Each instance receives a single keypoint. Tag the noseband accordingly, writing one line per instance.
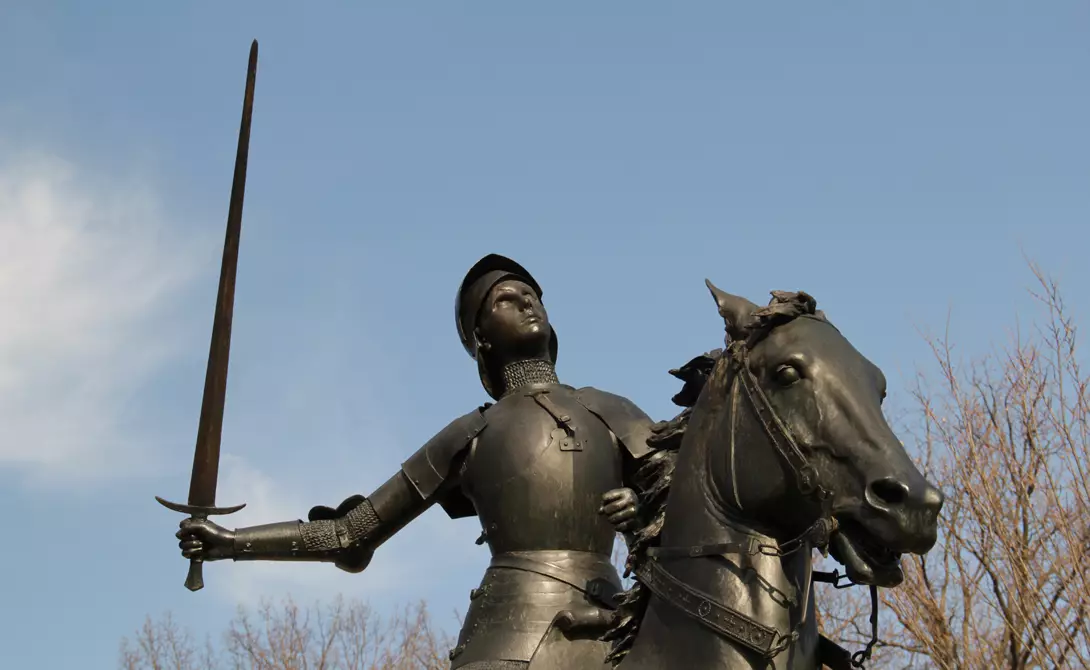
(723, 619)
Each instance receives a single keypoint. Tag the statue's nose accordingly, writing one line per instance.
(912, 504)
(889, 493)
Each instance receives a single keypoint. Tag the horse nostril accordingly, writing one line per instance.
(888, 491)
(933, 500)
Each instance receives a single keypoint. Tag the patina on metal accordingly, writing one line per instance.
(206, 455)
(782, 448)
(544, 468)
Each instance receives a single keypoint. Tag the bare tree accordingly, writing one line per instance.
(1007, 436)
(164, 645)
(341, 636)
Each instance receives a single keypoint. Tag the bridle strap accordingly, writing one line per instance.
(775, 429)
(817, 535)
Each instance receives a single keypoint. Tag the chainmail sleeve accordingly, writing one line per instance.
(342, 532)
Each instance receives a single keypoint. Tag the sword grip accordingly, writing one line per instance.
(194, 581)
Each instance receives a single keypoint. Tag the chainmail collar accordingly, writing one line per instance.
(531, 372)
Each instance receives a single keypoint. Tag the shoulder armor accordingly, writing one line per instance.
(431, 466)
(627, 421)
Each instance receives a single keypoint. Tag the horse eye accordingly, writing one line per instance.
(787, 375)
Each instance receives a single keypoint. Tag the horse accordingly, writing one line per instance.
(782, 448)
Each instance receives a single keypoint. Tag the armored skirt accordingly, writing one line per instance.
(520, 594)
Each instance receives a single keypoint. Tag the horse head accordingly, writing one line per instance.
(795, 436)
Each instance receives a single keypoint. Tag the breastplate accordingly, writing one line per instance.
(538, 471)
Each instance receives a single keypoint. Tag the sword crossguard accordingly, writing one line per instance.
(194, 581)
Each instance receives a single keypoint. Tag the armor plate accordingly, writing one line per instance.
(627, 421)
(512, 609)
(537, 473)
(431, 469)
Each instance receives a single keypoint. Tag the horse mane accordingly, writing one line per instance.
(653, 479)
(652, 482)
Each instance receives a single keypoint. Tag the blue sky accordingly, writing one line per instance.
(894, 159)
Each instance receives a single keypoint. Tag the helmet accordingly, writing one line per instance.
(480, 279)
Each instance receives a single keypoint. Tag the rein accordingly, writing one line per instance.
(725, 620)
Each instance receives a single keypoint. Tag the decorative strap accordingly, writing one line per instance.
(702, 607)
(568, 437)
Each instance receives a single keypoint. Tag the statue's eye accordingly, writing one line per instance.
(786, 375)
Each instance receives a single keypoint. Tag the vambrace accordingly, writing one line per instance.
(338, 540)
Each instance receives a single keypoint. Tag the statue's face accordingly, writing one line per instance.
(514, 321)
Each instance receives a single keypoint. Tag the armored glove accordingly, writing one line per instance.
(200, 538)
(622, 508)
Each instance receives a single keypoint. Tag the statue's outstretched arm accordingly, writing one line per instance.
(348, 535)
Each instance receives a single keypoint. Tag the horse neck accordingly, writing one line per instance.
(770, 589)
(696, 514)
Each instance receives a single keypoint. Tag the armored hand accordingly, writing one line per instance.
(204, 540)
(622, 508)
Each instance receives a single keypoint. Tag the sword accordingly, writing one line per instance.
(206, 456)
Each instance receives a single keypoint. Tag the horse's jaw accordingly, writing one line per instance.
(866, 560)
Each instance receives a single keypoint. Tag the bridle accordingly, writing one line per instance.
(719, 617)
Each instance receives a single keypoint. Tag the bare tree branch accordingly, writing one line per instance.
(340, 636)
(1007, 437)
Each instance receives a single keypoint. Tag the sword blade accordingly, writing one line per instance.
(206, 456)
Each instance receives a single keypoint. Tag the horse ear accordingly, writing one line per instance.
(734, 309)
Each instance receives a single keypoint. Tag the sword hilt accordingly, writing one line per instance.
(194, 581)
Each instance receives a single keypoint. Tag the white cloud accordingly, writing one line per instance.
(88, 270)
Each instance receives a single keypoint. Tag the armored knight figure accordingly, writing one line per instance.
(544, 469)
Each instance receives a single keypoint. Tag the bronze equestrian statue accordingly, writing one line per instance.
(782, 448)
(543, 468)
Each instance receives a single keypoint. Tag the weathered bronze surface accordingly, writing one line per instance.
(206, 455)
